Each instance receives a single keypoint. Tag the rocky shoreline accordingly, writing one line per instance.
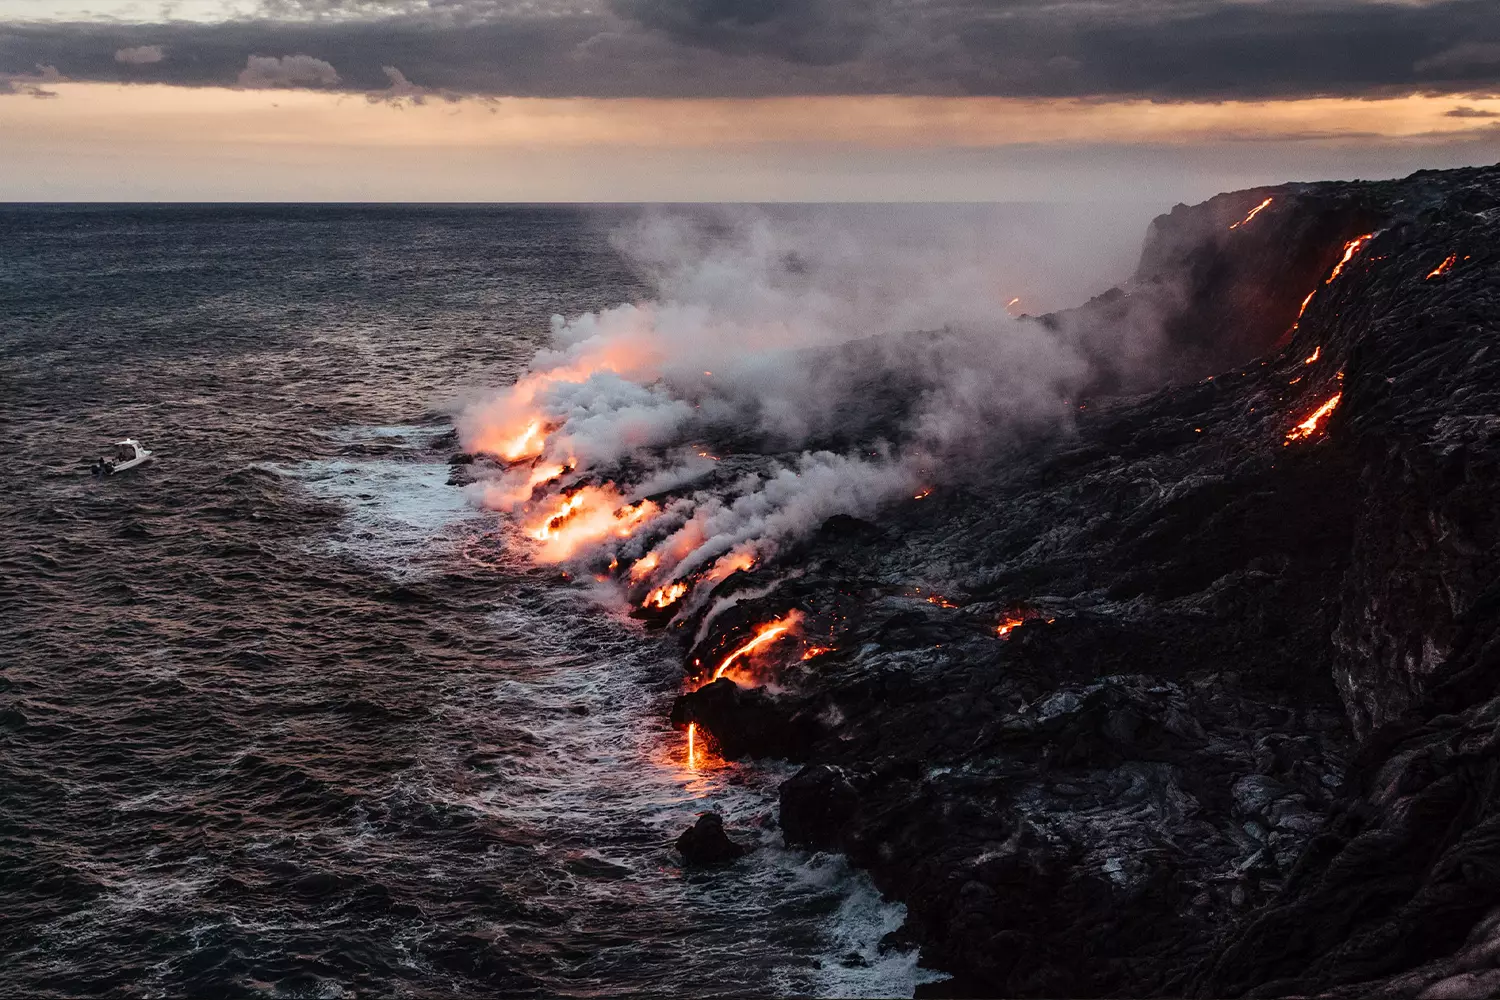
(1212, 707)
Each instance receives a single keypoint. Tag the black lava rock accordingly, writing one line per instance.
(705, 843)
(748, 722)
(1246, 739)
(816, 806)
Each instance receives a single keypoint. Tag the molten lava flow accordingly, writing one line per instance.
(585, 517)
(644, 565)
(631, 518)
(765, 635)
(1443, 267)
(923, 493)
(1351, 248)
(1309, 426)
(692, 759)
(1253, 213)
(940, 601)
(812, 651)
(559, 517)
(1315, 355)
(666, 595)
(1008, 626)
(1303, 308)
(734, 562)
(528, 444)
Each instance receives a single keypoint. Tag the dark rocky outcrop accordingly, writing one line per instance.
(705, 843)
(1246, 738)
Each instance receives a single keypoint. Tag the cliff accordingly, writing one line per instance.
(1213, 708)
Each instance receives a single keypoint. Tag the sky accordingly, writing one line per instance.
(734, 100)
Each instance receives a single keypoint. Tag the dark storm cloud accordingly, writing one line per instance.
(1163, 49)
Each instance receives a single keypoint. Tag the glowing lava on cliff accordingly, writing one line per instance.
(1307, 428)
(1253, 213)
(1351, 248)
(1442, 268)
(763, 637)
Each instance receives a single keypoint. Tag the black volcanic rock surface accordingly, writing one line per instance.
(1244, 739)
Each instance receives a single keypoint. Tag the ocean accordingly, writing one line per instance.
(280, 714)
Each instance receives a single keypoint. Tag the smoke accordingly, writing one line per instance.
(838, 361)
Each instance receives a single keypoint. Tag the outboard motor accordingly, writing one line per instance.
(104, 467)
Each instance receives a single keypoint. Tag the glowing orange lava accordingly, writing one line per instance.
(926, 491)
(1309, 426)
(644, 565)
(941, 602)
(558, 517)
(1351, 248)
(1315, 355)
(692, 758)
(587, 516)
(666, 595)
(1253, 213)
(528, 444)
(766, 634)
(734, 562)
(1443, 267)
(812, 651)
(631, 518)
(1008, 626)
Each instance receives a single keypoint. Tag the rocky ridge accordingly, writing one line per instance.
(1240, 736)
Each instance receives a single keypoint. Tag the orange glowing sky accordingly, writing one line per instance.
(111, 141)
(1094, 101)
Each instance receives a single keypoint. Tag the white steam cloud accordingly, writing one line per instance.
(857, 359)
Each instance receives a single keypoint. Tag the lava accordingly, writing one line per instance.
(559, 517)
(1315, 355)
(666, 595)
(1351, 248)
(765, 635)
(1309, 427)
(1253, 213)
(812, 651)
(940, 601)
(1008, 626)
(1442, 268)
(528, 444)
(735, 562)
(922, 494)
(585, 517)
(643, 566)
(692, 755)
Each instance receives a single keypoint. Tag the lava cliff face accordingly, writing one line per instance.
(1213, 709)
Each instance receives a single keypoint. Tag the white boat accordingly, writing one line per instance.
(127, 455)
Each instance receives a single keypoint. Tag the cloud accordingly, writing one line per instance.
(1463, 58)
(402, 91)
(287, 71)
(30, 84)
(1157, 49)
(140, 55)
(1467, 112)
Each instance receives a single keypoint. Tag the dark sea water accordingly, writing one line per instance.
(278, 714)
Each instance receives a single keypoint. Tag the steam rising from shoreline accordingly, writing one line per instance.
(839, 369)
